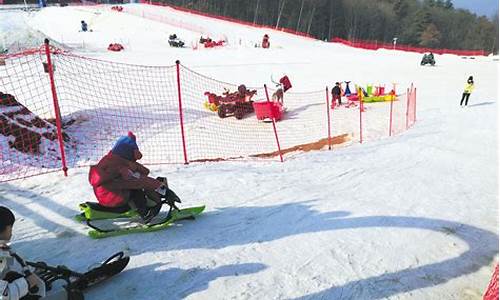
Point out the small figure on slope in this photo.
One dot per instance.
(84, 26)
(469, 87)
(336, 94)
(265, 41)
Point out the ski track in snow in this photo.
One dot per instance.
(414, 216)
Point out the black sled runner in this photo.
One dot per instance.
(76, 283)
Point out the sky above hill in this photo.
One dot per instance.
(480, 7)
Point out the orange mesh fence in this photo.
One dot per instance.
(28, 138)
(377, 118)
(101, 100)
(218, 123)
(305, 119)
(411, 114)
(178, 115)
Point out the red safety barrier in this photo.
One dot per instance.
(370, 45)
(411, 107)
(68, 111)
(492, 289)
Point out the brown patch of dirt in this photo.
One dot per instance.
(213, 159)
(314, 146)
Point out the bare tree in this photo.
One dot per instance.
(256, 12)
(300, 14)
(279, 14)
(311, 17)
(330, 20)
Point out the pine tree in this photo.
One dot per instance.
(430, 36)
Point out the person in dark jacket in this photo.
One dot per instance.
(84, 26)
(119, 180)
(336, 94)
(265, 41)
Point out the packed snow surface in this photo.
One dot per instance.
(413, 216)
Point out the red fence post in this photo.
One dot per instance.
(50, 69)
(491, 292)
(408, 91)
(328, 118)
(414, 105)
(390, 116)
(181, 116)
(360, 93)
(274, 124)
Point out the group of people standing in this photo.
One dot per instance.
(469, 87)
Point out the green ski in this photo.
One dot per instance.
(93, 213)
(176, 215)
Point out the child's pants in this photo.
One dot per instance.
(465, 96)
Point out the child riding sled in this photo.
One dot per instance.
(24, 280)
(119, 180)
(17, 280)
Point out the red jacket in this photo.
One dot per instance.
(112, 179)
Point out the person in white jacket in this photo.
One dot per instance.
(17, 280)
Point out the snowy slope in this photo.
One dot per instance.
(409, 217)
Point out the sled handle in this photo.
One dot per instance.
(118, 255)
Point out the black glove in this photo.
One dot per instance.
(11, 276)
(171, 197)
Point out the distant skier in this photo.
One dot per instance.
(18, 281)
(84, 26)
(469, 87)
(119, 180)
(336, 94)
